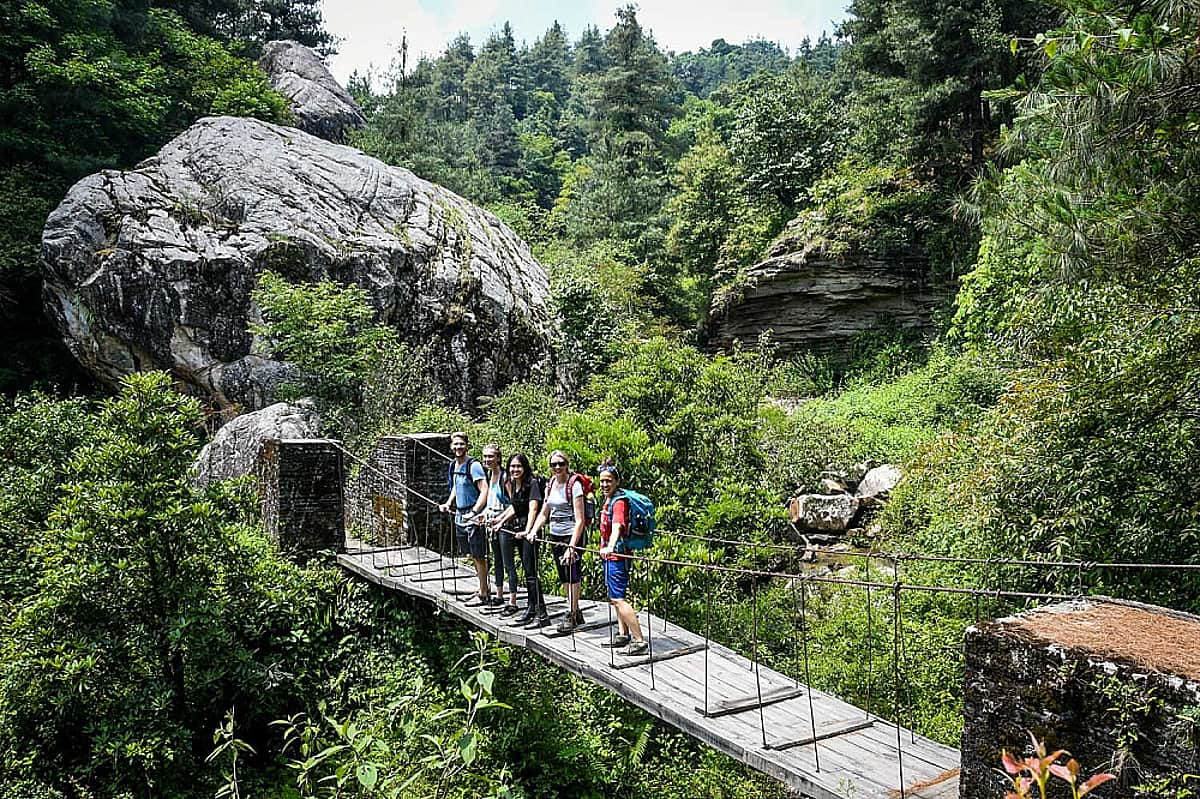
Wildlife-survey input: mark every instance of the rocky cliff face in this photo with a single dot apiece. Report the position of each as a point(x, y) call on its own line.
point(322, 107)
point(153, 267)
point(811, 299)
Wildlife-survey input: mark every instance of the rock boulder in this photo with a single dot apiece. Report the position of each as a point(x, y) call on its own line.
point(153, 268)
point(878, 482)
point(828, 513)
point(322, 107)
point(233, 452)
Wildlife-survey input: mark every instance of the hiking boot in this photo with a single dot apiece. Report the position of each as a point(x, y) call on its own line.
point(617, 641)
point(567, 625)
point(634, 648)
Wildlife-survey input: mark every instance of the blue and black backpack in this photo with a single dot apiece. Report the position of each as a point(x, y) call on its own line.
point(641, 521)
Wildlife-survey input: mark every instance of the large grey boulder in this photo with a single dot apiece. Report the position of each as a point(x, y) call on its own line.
point(153, 268)
point(233, 451)
point(879, 482)
point(322, 107)
point(813, 300)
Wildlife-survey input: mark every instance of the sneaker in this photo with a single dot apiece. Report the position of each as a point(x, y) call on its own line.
point(495, 601)
point(634, 648)
point(541, 620)
point(525, 618)
point(617, 641)
point(477, 601)
point(509, 610)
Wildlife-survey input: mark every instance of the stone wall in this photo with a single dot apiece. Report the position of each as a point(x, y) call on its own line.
point(381, 511)
point(301, 487)
point(1117, 684)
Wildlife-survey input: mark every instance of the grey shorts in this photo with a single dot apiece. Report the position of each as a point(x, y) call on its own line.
point(472, 540)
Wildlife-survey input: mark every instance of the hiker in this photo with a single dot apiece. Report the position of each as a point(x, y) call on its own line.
point(524, 490)
point(564, 511)
point(468, 496)
point(615, 518)
point(502, 545)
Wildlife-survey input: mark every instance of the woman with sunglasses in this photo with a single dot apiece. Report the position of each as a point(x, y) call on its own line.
point(564, 511)
point(524, 490)
point(614, 522)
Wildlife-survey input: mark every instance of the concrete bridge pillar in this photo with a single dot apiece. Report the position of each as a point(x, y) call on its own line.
point(1117, 684)
point(388, 500)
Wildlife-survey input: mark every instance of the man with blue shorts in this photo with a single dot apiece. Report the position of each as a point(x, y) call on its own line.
point(468, 495)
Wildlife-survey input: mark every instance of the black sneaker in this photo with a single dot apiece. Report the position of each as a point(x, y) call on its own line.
point(509, 610)
point(525, 618)
point(617, 641)
point(541, 620)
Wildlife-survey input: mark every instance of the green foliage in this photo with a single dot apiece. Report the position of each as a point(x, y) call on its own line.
point(328, 332)
point(789, 132)
point(155, 606)
point(885, 422)
point(39, 437)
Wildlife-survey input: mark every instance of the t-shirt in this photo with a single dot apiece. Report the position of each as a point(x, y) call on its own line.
point(562, 512)
point(497, 500)
point(613, 511)
point(465, 491)
point(531, 491)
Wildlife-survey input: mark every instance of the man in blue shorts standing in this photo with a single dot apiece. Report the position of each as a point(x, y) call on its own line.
point(468, 495)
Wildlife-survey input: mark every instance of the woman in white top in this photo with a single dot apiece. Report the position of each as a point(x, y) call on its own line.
point(564, 511)
point(502, 555)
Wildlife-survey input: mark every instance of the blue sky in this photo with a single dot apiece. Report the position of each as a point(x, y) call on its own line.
point(371, 30)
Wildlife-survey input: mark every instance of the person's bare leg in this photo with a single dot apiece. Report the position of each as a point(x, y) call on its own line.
point(481, 571)
point(629, 619)
point(621, 628)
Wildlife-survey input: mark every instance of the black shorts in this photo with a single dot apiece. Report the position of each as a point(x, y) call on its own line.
point(567, 573)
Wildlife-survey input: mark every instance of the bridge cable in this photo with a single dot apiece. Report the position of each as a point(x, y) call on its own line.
point(870, 641)
point(757, 678)
point(896, 676)
point(812, 717)
point(1086, 565)
point(708, 580)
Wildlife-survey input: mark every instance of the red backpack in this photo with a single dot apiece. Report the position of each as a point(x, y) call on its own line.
point(589, 494)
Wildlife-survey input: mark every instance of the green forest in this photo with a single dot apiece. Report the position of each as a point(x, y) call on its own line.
point(1041, 159)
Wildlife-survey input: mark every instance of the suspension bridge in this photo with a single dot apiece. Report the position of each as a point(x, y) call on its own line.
point(813, 742)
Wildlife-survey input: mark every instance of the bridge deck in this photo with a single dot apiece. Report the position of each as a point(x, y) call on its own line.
point(857, 752)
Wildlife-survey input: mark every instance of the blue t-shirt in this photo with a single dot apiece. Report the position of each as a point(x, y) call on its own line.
point(465, 490)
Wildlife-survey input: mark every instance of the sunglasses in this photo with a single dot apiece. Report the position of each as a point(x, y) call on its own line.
point(557, 464)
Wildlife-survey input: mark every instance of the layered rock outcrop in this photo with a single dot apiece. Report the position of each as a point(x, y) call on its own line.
point(322, 107)
point(811, 299)
point(153, 268)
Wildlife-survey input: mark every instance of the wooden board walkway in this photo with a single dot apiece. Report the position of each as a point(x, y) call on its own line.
point(857, 752)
